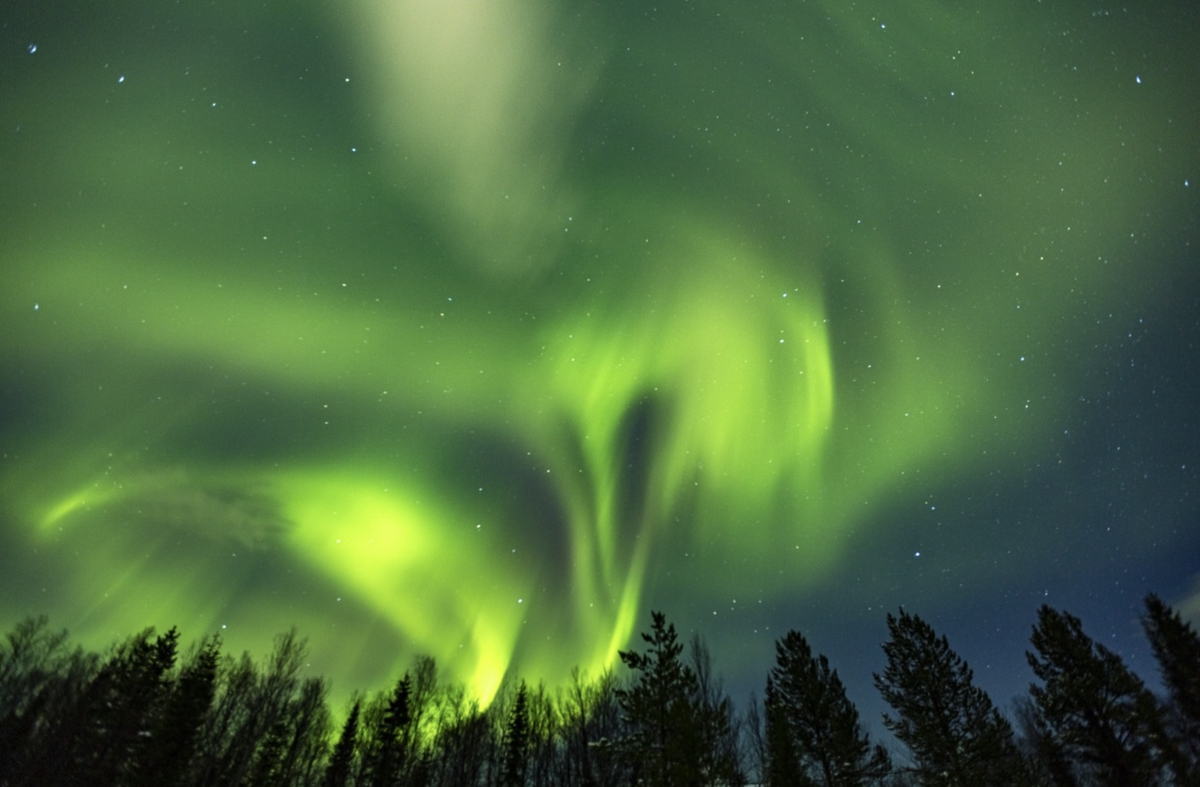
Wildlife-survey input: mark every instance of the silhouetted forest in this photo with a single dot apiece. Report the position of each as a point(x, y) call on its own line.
point(146, 714)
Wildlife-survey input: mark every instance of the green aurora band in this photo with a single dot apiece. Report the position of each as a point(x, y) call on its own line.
point(714, 283)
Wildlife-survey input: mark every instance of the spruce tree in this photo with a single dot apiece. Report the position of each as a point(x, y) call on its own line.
point(121, 704)
point(782, 767)
point(953, 732)
point(516, 741)
point(1091, 707)
point(671, 736)
point(337, 773)
point(387, 749)
point(821, 720)
point(1176, 647)
point(173, 743)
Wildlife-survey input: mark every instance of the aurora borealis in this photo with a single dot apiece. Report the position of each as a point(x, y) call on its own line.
point(478, 328)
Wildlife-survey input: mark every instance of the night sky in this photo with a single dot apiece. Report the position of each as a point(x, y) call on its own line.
point(480, 328)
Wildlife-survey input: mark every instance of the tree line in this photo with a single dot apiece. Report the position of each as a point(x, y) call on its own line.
point(144, 714)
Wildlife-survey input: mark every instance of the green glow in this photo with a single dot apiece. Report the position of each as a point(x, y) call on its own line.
point(746, 369)
point(508, 370)
point(403, 559)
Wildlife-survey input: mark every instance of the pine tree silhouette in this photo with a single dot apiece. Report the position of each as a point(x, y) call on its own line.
point(337, 773)
point(1176, 647)
point(1091, 708)
point(954, 733)
point(672, 737)
point(516, 741)
point(821, 720)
